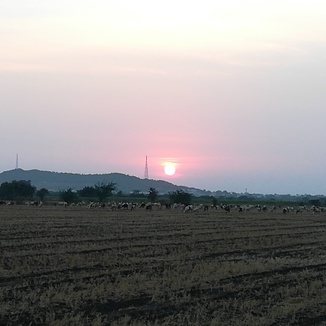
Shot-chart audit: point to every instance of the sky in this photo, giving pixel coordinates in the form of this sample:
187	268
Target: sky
230	92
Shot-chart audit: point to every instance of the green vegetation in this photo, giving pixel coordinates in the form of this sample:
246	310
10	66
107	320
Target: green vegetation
68	196
180	197
87	192
24	190
104	190
152	195
101	191
17	190
42	193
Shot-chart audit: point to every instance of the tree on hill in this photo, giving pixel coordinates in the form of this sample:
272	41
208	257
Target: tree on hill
17	190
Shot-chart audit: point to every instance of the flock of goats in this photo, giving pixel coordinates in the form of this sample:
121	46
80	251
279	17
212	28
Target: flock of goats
149	206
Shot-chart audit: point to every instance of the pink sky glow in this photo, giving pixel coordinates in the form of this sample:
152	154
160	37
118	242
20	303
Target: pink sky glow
231	92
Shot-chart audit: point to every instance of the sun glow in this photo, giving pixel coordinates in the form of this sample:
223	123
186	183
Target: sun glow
169	169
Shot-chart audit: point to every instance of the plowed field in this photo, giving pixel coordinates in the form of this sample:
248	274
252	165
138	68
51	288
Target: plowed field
80	266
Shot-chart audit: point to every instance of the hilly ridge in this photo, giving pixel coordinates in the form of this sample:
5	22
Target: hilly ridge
56	181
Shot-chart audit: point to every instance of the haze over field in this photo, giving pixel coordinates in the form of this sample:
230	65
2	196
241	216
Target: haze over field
232	93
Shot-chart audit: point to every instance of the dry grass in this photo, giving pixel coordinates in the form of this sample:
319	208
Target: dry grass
78	266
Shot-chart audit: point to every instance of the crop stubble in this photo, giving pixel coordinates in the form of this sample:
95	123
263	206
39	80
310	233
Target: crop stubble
81	266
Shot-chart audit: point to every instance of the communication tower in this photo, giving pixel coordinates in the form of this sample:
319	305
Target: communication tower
16	161
146	169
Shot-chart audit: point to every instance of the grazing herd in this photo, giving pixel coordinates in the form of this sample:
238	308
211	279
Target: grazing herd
149	206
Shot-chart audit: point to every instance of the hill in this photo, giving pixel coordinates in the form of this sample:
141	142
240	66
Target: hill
55	181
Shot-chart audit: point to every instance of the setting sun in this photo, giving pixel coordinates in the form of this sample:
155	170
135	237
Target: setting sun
169	169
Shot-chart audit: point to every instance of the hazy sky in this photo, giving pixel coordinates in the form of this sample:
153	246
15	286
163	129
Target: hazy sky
232	92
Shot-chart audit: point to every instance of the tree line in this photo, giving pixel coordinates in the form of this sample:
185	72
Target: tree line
23	190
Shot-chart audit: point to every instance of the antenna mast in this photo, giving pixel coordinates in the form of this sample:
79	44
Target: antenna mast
146	170
16	161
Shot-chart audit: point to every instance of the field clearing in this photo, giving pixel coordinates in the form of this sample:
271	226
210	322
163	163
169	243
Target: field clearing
80	266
